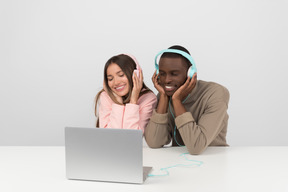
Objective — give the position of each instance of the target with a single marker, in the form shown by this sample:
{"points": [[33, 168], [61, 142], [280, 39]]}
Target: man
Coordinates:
{"points": [[191, 112]]}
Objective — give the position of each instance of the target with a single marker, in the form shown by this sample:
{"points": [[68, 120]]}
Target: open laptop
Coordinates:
{"points": [[98, 154]]}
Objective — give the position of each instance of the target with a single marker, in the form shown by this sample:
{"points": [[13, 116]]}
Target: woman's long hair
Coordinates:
{"points": [[127, 65]]}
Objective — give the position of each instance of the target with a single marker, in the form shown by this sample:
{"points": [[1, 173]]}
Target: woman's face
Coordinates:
{"points": [[117, 80]]}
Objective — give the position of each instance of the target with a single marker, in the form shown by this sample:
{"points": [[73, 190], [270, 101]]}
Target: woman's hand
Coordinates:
{"points": [[137, 86], [118, 98]]}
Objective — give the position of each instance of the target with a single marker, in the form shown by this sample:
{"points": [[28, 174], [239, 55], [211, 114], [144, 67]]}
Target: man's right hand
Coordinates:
{"points": [[155, 80], [162, 106]]}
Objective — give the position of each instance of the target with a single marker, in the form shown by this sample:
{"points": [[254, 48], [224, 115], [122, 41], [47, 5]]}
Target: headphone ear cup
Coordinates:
{"points": [[137, 72], [189, 72], [156, 68]]}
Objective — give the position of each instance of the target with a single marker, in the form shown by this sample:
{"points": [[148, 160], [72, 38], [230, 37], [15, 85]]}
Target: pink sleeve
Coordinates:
{"points": [[110, 114], [136, 116]]}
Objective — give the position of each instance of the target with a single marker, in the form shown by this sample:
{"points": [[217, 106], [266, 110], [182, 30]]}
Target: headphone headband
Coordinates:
{"points": [[183, 53], [191, 70], [134, 59]]}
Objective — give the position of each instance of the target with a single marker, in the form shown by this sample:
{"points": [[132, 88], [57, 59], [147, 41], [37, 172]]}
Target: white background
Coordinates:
{"points": [[52, 55]]}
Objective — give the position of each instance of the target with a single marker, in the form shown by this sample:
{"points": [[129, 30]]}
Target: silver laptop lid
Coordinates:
{"points": [[99, 154]]}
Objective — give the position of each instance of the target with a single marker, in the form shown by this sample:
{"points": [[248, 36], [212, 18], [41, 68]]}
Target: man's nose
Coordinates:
{"points": [[168, 79]]}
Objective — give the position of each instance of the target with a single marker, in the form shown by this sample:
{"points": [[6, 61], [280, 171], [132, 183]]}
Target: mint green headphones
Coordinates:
{"points": [[191, 70]]}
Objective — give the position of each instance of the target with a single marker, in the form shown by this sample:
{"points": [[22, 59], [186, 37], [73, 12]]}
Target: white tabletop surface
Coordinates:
{"points": [[224, 169]]}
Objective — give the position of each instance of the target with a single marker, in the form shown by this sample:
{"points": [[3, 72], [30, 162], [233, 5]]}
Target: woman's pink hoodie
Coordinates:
{"points": [[129, 116]]}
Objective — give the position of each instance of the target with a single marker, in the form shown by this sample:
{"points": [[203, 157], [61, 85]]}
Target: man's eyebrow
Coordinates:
{"points": [[176, 69], [172, 71]]}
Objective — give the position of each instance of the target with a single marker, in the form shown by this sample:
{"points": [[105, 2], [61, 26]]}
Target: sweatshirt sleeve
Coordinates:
{"points": [[136, 116], [197, 137], [158, 132], [110, 114]]}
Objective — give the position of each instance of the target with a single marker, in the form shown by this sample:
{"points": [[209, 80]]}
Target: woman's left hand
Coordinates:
{"points": [[137, 86]]}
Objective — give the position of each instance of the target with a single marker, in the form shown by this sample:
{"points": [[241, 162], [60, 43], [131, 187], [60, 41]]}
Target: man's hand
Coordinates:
{"points": [[163, 99], [155, 80], [185, 89]]}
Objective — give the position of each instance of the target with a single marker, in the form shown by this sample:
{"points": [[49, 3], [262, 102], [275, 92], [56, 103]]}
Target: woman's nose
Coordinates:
{"points": [[116, 80]]}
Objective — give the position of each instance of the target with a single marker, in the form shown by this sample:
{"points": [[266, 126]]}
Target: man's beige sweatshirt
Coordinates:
{"points": [[204, 124]]}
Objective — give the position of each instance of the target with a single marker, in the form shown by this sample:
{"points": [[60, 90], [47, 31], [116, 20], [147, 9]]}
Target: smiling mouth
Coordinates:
{"points": [[169, 88], [120, 88]]}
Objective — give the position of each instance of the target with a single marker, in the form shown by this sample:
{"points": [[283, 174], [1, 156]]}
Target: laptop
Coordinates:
{"points": [[110, 155]]}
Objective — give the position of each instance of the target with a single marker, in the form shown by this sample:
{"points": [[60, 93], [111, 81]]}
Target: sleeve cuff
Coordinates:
{"points": [[183, 119], [159, 118], [118, 108]]}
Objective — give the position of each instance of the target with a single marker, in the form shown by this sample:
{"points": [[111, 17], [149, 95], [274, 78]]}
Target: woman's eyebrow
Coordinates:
{"points": [[119, 72], [116, 73]]}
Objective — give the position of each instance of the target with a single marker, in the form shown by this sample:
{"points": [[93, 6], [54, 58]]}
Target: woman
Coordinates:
{"points": [[125, 101]]}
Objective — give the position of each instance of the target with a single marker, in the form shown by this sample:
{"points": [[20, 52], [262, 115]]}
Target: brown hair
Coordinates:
{"points": [[127, 65]]}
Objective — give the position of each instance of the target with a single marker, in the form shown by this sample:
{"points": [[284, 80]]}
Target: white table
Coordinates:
{"points": [[224, 169]]}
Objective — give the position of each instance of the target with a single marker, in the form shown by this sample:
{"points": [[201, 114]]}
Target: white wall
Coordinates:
{"points": [[52, 54]]}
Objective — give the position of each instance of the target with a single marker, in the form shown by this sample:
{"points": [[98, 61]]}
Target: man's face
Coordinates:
{"points": [[172, 74]]}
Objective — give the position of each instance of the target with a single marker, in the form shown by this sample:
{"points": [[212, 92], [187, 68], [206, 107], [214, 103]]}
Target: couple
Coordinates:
{"points": [[190, 112]]}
